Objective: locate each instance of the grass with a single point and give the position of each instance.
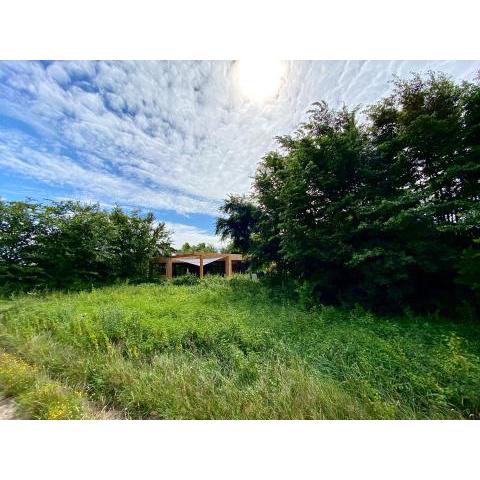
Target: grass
(230, 350)
(37, 396)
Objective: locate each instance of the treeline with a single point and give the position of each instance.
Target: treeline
(203, 247)
(379, 207)
(200, 247)
(72, 245)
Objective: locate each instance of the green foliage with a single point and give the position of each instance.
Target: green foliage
(18, 228)
(379, 211)
(70, 245)
(201, 247)
(239, 349)
(469, 268)
(241, 216)
(187, 279)
(138, 239)
(37, 396)
(229, 248)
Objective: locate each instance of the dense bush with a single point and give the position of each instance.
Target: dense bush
(68, 245)
(187, 279)
(382, 211)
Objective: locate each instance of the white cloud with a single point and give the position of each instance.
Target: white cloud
(182, 233)
(169, 135)
(20, 153)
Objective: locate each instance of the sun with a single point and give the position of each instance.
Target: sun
(259, 80)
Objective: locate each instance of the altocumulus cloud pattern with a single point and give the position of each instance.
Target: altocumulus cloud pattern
(172, 137)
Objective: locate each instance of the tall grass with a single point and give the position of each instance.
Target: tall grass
(238, 349)
(37, 396)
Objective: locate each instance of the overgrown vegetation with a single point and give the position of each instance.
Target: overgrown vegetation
(383, 210)
(70, 245)
(237, 349)
(37, 396)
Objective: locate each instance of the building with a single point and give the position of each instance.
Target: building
(200, 264)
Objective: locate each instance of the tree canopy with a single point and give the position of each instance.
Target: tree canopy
(379, 207)
(69, 244)
(200, 247)
(241, 216)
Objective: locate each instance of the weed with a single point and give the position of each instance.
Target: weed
(232, 349)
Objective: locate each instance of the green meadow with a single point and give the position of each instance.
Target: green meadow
(230, 349)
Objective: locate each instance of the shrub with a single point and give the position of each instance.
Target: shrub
(187, 279)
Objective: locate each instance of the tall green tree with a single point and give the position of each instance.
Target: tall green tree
(381, 208)
(137, 239)
(76, 244)
(240, 216)
(69, 244)
(19, 229)
(423, 137)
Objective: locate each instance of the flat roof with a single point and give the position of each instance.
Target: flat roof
(233, 256)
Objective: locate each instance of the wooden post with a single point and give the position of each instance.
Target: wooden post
(169, 268)
(201, 267)
(228, 266)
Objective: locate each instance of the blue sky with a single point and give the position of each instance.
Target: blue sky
(171, 137)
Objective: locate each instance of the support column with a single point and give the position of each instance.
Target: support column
(169, 268)
(228, 266)
(201, 267)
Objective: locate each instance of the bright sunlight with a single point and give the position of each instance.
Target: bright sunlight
(259, 79)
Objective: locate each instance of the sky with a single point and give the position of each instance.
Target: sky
(172, 137)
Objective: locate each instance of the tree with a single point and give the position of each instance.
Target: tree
(137, 240)
(18, 230)
(69, 244)
(240, 218)
(200, 247)
(228, 248)
(76, 244)
(423, 136)
(469, 268)
(382, 211)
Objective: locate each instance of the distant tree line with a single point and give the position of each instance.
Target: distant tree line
(380, 207)
(203, 247)
(200, 247)
(71, 245)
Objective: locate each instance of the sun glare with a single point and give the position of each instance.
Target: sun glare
(259, 79)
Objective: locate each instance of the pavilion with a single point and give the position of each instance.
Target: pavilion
(226, 263)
